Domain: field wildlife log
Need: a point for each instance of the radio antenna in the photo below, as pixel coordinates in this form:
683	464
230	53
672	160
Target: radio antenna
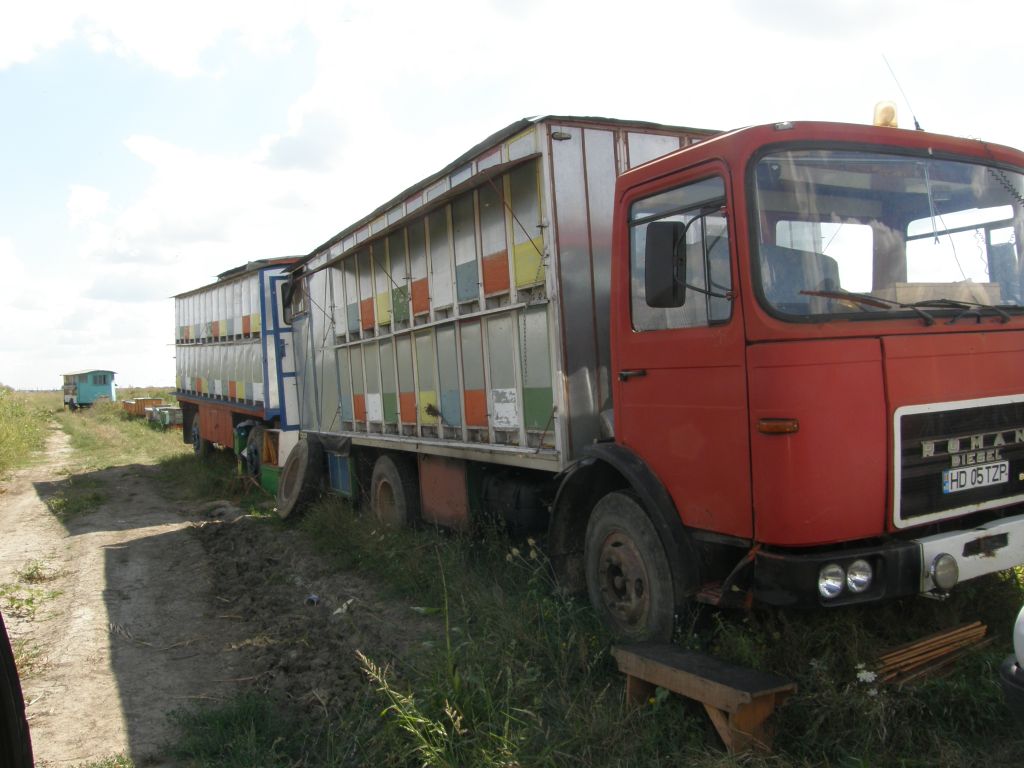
917	125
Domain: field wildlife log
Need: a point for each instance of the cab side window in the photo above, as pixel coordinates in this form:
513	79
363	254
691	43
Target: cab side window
700	253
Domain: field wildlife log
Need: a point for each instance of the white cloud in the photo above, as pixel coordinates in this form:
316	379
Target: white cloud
85	203
29	29
171	38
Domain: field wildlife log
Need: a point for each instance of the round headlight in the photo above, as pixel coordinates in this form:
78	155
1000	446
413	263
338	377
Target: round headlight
859	576
944	571
831	579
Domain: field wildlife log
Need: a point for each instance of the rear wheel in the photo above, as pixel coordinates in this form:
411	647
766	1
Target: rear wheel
628	574
202	448
394	491
301	477
253	451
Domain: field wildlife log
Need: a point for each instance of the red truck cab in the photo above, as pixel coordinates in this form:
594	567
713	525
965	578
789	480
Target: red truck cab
818	360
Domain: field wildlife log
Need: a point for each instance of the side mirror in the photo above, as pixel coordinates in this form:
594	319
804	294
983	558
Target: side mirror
662	264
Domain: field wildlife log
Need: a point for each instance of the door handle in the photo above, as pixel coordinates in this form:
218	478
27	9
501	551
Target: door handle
633	374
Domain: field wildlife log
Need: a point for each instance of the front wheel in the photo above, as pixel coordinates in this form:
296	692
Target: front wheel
628	574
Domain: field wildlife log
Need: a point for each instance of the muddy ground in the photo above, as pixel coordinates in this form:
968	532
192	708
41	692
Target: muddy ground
150	604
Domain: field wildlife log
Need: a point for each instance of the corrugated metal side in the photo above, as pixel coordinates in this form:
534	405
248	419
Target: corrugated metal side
441	320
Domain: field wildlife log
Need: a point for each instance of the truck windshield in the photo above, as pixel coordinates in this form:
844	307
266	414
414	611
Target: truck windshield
854	234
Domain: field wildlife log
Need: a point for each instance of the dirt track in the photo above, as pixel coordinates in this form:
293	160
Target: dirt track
164	605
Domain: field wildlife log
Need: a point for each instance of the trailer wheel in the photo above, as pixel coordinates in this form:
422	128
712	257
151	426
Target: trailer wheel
15	743
201	448
253	449
300	478
628	575
394	491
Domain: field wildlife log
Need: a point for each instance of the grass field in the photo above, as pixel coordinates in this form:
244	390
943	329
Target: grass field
524	677
24	419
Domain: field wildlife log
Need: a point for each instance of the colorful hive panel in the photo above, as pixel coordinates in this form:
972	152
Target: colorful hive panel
440	258
448	376
406	379
527	236
399	276
426	391
358	384
371	364
418	269
388	381
493	241
467	269
504	395
382	284
345	384
536	365
475	395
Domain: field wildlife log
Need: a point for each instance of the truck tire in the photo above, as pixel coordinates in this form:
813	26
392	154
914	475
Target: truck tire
15	743
300	478
394	491
628	576
253	451
201	448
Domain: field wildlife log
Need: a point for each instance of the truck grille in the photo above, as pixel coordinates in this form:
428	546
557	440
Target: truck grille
950	436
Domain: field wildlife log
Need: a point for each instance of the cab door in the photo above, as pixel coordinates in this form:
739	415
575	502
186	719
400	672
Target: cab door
680	388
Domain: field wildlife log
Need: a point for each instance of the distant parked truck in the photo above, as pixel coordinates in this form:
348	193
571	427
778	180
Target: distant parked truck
83	388
235	367
778	365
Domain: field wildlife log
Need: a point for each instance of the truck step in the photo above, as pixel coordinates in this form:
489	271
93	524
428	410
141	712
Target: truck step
738	700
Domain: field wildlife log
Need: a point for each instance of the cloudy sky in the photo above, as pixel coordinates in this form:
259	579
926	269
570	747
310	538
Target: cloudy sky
146	148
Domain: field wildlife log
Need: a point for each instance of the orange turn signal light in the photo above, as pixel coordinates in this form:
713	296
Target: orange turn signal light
778	426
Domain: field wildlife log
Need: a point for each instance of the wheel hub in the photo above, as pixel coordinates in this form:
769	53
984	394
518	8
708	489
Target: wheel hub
623	580
385	506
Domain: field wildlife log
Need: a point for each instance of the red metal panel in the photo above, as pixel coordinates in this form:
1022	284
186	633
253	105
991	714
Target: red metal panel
476	408
827	482
359	402
366	313
495	269
420	297
215	424
953	366
246	325
444	499
407	407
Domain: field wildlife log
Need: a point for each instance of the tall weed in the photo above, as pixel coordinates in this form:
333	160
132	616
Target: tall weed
23	425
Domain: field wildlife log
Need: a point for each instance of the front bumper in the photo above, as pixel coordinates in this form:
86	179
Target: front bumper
901	567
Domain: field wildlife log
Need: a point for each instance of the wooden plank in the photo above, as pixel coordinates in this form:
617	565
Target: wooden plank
941	663
939	638
900	663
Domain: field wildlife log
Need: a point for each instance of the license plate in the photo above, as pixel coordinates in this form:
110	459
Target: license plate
967	478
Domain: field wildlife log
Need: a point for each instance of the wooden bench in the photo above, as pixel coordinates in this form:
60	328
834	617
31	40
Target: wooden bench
738	700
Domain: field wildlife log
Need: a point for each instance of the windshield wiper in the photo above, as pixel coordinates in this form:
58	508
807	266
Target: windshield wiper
860	299
967	309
